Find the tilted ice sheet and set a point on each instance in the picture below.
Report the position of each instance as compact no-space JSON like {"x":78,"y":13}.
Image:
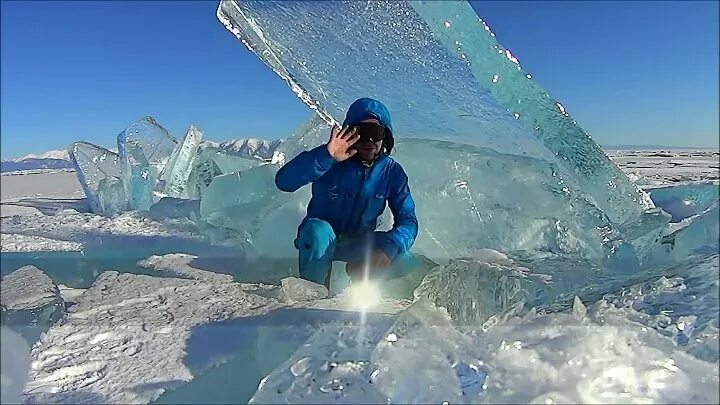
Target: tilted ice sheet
{"x":440,"y":71}
{"x":98,"y":170}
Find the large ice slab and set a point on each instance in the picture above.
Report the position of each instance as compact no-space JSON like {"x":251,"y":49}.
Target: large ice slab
{"x":29,"y":296}
{"x":99,"y":172}
{"x":213,"y":160}
{"x":249,"y":204}
{"x":470,"y":198}
{"x":333,"y":366}
{"x":442,"y":74}
{"x":145,"y":148}
{"x":513,"y":204}
{"x":423,"y":359}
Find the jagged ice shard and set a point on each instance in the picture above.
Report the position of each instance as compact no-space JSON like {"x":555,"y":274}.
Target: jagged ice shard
{"x":176,"y":172}
{"x":145,"y":148}
{"x":444,"y":77}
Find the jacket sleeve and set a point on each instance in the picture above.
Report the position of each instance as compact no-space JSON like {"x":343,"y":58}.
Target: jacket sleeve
{"x":405,"y":224}
{"x":305,"y":168}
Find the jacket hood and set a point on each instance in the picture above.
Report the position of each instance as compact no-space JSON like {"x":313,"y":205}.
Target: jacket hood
{"x":364,"y":108}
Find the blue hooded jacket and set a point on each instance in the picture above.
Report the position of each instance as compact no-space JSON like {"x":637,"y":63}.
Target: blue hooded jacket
{"x":349,"y":195}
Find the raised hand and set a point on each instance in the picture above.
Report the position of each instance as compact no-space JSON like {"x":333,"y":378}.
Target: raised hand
{"x":340,"y":142}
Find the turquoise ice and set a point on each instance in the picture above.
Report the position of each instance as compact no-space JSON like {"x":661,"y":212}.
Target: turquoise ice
{"x":175,"y":174}
{"x":145,"y":148}
{"x":99,"y":172}
{"x":445,"y":78}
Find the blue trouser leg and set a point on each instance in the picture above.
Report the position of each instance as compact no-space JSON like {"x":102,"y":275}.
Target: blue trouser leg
{"x":316,"y":246}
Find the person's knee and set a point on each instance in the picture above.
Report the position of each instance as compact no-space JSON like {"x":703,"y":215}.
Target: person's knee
{"x":316,"y":233}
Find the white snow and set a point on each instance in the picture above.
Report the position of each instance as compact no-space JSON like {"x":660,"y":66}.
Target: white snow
{"x":657,"y":168}
{"x":28,"y":288}
{"x":13,"y":242}
{"x":126,"y":338}
{"x":44,"y":192}
{"x":72,"y":227}
{"x":36,"y":171}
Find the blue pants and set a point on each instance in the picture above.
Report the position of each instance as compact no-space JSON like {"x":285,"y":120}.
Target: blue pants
{"x":318,"y":247}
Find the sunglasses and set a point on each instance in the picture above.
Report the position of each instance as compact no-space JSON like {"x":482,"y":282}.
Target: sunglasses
{"x":369,"y":131}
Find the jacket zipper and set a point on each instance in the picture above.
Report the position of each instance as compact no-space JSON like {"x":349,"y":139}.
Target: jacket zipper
{"x":357,"y":200}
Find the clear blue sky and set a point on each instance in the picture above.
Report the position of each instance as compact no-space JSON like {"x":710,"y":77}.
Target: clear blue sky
{"x":629,"y":72}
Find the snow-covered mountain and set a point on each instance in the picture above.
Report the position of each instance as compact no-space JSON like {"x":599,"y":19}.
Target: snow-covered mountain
{"x":251,"y":147}
{"x":51,"y":154}
{"x":60,"y":159}
{"x":54,"y":159}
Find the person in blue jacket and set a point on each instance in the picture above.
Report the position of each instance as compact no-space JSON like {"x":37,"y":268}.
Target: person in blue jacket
{"x":352,"y":179}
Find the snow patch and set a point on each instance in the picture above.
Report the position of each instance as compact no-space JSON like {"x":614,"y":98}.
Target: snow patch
{"x":126,"y":338}
{"x":77,"y":228}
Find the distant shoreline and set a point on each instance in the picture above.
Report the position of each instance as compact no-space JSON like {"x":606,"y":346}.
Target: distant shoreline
{"x":657,"y":148}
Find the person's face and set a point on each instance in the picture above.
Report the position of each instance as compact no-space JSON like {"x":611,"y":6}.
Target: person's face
{"x":367,"y":149}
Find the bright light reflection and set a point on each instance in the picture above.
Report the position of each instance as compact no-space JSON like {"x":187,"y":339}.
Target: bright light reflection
{"x":364,"y":295}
